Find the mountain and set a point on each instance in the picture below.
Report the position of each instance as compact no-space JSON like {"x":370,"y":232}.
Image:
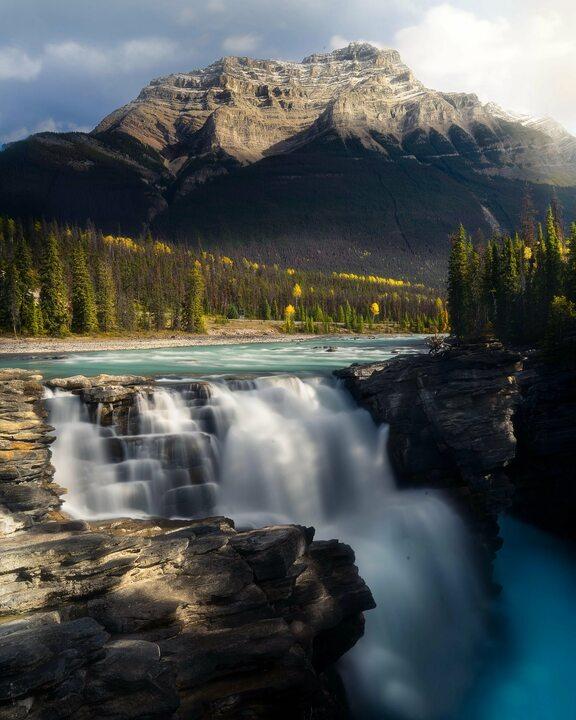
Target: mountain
{"x":344,"y":160}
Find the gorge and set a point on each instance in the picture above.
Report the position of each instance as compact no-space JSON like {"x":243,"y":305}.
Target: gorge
{"x":265,"y":449}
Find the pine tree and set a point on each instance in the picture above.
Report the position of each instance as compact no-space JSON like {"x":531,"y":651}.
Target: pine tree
{"x":53,"y":291}
{"x":193,"y":310}
{"x":571,"y":265}
{"x":553,"y":258}
{"x":84,"y":317}
{"x":105,"y":298}
{"x":459,"y":284}
{"x":28,"y":313}
{"x":4,"y":313}
{"x":13,"y":298}
{"x":489,"y":282}
{"x":507,"y":291}
{"x":267,"y":310}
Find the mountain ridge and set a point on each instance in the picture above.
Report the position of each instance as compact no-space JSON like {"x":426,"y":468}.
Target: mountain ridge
{"x":347,"y":151}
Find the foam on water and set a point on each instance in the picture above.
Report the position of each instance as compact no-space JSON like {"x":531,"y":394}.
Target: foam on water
{"x":315,"y":356}
{"x":286,"y":449}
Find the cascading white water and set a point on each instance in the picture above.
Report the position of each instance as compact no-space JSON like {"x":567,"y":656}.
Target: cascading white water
{"x":283,"y":449}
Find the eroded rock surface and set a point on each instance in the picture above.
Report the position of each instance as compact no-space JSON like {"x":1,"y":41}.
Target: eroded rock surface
{"x":159,"y":620}
{"x":27,"y":490}
{"x":544,"y":470}
{"x":451,"y":427}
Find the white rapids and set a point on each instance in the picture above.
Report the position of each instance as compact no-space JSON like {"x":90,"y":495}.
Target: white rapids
{"x":283,"y":449}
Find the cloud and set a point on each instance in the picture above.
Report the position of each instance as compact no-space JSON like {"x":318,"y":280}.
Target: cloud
{"x":46,"y":125}
{"x":15,"y":64}
{"x":216,"y":6}
{"x":125,"y":57}
{"x":525,"y":62}
{"x":338,"y":41}
{"x":240,"y":43}
{"x":187,"y":15}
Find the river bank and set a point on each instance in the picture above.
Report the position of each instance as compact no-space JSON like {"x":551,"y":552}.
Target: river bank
{"x":235,"y":332}
{"x":225,"y":336}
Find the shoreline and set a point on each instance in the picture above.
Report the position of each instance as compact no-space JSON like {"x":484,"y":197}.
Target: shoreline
{"x":33,"y":347}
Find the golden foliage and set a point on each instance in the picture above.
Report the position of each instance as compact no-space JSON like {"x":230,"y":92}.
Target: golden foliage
{"x":125,"y":243}
{"x":160,"y":247}
{"x":374,"y":279}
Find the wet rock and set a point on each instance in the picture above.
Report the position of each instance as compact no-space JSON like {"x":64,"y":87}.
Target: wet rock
{"x":157,"y":619}
{"x":26,"y":487}
{"x":213,"y":617}
{"x":544,"y":471}
{"x":80,"y":382}
{"x":450,"y":415}
{"x":191,"y":500}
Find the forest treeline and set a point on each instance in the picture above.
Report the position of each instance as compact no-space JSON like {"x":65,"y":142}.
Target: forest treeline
{"x":57,"y":279}
{"x":520,"y":287}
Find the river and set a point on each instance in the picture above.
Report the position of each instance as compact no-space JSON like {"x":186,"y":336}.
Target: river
{"x":268,"y":436}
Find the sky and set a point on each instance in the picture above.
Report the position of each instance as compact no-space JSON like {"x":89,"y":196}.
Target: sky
{"x":65,"y":64}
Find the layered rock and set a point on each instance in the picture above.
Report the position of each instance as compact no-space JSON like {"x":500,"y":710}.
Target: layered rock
{"x":351,"y":138}
{"x":544,"y":470}
{"x":249,"y":108}
{"x":451,"y":424}
{"x":27,"y":490}
{"x":159,"y":619}
{"x":195,"y":620}
{"x":109,"y":398}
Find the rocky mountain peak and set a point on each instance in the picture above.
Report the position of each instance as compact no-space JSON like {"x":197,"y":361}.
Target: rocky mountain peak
{"x":251,"y":147}
{"x":355,"y":51}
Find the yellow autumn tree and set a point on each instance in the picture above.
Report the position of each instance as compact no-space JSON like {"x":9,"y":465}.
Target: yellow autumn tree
{"x":289,"y":312}
{"x":297,"y":292}
{"x":374,"y":309}
{"x":442,"y":322}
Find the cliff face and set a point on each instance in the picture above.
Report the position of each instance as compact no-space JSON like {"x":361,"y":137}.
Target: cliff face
{"x":494,"y":429}
{"x":451,"y":428}
{"x":544,"y":470}
{"x":158,"y":619}
{"x":248,"y":109}
{"x":244,"y":152}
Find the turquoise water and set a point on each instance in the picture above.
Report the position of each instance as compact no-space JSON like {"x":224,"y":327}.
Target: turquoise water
{"x":529,"y":670}
{"x":294,"y":357}
{"x":529,"y":674}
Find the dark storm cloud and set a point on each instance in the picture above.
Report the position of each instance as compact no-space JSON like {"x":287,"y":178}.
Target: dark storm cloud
{"x":65,"y":63}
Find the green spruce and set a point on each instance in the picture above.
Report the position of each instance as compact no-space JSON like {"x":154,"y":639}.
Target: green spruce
{"x":84,"y":317}
{"x":53,"y":291}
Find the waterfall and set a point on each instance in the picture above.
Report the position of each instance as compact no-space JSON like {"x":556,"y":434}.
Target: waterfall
{"x":284,"y":449}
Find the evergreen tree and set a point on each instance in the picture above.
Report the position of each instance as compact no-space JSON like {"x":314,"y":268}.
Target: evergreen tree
{"x":193,"y":310}
{"x":53,"y":291}
{"x":489,"y":283}
{"x":105,"y":298}
{"x":13,"y":298}
{"x":459,"y":284}
{"x":571,"y":265}
{"x":28,"y":312}
{"x":553,"y":263}
{"x":267,"y":310}
{"x":507,"y":290}
{"x":84,"y":317}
